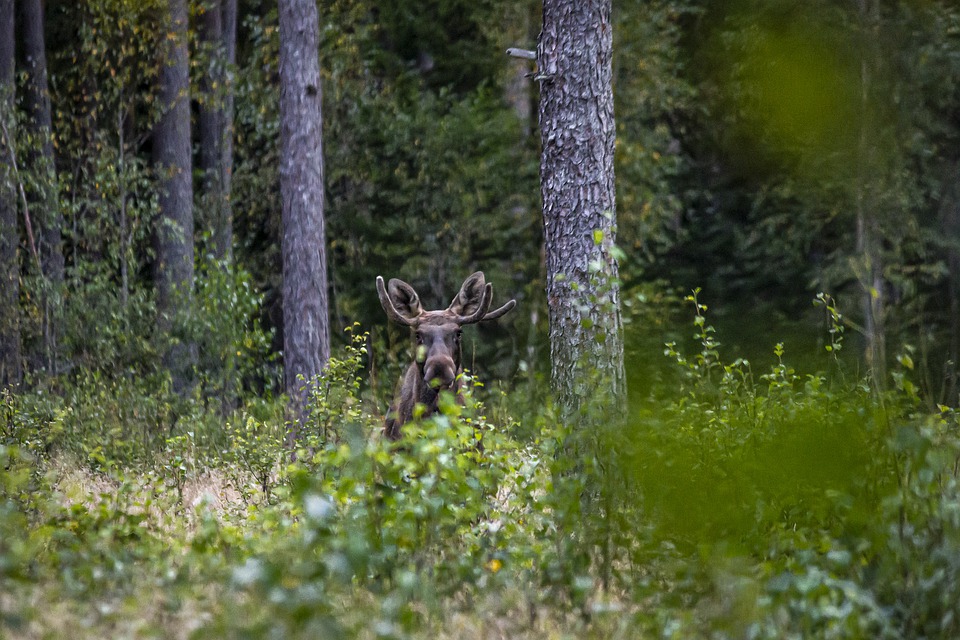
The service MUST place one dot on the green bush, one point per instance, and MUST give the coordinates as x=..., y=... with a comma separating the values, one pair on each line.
x=779, y=505
x=739, y=504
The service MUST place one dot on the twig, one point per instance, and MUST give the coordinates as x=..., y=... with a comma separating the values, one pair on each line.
x=525, y=54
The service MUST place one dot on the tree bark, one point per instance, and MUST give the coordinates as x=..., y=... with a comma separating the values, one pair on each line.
x=229, y=21
x=518, y=91
x=868, y=236
x=10, y=365
x=577, y=187
x=211, y=122
x=46, y=213
x=950, y=227
x=218, y=27
x=174, y=268
x=306, y=340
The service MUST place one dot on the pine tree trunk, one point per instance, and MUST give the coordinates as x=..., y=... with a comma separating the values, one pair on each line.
x=306, y=341
x=518, y=90
x=950, y=221
x=174, y=233
x=229, y=21
x=868, y=238
x=211, y=125
x=45, y=211
x=10, y=366
x=577, y=186
x=218, y=27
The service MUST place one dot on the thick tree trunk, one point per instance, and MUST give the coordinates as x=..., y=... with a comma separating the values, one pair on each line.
x=211, y=124
x=10, y=365
x=306, y=339
x=174, y=233
x=46, y=212
x=577, y=185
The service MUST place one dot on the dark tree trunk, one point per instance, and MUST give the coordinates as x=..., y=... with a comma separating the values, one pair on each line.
x=211, y=124
x=174, y=233
x=218, y=27
x=951, y=231
x=46, y=213
x=229, y=21
x=10, y=366
x=577, y=187
x=306, y=335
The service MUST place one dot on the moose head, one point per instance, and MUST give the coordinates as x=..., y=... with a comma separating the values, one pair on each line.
x=436, y=364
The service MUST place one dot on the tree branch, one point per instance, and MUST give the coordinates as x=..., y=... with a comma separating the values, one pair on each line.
x=8, y=141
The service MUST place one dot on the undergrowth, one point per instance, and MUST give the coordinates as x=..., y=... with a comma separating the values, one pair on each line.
x=768, y=504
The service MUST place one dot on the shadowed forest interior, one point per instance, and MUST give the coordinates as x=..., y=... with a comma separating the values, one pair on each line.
x=786, y=237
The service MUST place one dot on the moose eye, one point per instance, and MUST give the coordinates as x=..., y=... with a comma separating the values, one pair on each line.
x=458, y=335
x=419, y=338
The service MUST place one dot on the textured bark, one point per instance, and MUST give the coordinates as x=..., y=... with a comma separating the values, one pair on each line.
x=577, y=184
x=45, y=209
x=211, y=122
x=174, y=233
x=306, y=336
x=10, y=365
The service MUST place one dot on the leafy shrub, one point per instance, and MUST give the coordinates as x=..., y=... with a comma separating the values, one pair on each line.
x=766, y=504
x=416, y=522
x=256, y=450
x=235, y=362
x=778, y=505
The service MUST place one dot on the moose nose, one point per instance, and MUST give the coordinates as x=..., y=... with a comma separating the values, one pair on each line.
x=439, y=373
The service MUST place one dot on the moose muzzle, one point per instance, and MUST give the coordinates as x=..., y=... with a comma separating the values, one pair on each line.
x=439, y=372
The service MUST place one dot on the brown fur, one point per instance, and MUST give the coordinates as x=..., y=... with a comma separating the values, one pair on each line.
x=436, y=365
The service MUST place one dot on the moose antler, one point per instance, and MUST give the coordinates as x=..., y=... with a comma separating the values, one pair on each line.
x=496, y=313
x=477, y=315
x=391, y=310
x=436, y=365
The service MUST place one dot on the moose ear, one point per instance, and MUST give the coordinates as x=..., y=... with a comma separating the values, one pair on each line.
x=404, y=299
x=470, y=297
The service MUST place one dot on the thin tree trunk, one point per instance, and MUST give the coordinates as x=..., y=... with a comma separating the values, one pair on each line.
x=10, y=365
x=306, y=339
x=47, y=215
x=577, y=186
x=211, y=125
x=868, y=242
x=229, y=20
x=518, y=90
x=218, y=29
x=124, y=216
x=953, y=283
x=950, y=227
x=174, y=234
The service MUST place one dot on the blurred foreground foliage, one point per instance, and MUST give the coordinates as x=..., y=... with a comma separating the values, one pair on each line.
x=731, y=503
x=752, y=490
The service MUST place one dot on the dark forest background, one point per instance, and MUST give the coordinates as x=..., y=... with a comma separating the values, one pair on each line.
x=766, y=152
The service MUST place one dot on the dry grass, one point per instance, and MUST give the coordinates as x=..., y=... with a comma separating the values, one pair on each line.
x=208, y=491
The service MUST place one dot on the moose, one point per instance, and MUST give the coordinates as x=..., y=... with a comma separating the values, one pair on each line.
x=437, y=354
